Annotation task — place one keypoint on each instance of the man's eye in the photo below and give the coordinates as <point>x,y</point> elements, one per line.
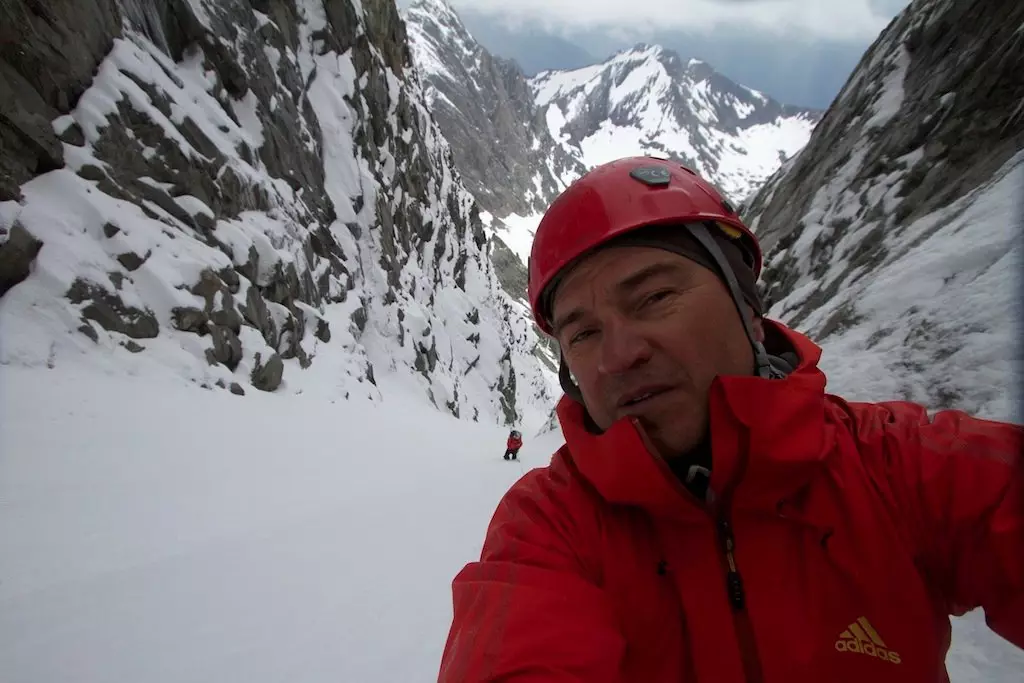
<point>655,297</point>
<point>580,336</point>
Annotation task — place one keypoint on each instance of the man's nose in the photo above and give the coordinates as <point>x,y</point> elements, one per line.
<point>623,347</point>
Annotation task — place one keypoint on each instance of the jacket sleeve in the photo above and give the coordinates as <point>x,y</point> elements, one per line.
<point>960,481</point>
<point>529,610</point>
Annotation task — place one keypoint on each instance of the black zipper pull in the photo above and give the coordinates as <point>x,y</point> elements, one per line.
<point>736,596</point>
<point>734,584</point>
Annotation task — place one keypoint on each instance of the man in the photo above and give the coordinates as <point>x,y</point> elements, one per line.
<point>513,444</point>
<point>714,515</point>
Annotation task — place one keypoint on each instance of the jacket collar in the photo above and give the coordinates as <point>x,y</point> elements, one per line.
<point>767,438</point>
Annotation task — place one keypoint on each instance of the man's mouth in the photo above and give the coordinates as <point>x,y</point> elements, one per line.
<point>641,396</point>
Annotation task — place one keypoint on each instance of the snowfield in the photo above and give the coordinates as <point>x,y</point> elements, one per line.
<point>153,531</point>
<point>156,532</point>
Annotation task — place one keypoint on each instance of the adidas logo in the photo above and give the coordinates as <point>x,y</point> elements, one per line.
<point>860,637</point>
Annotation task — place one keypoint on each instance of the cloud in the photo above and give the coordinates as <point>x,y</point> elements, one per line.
<point>834,20</point>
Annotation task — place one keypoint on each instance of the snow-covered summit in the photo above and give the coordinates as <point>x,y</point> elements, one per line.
<point>647,99</point>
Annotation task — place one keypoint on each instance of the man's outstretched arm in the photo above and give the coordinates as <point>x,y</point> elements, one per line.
<point>960,481</point>
<point>529,611</point>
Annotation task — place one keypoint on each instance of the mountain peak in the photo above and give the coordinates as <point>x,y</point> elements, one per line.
<point>644,47</point>
<point>436,12</point>
<point>647,99</point>
<point>431,5</point>
<point>645,51</point>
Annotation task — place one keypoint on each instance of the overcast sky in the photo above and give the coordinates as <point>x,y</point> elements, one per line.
<point>830,20</point>
<point>800,52</point>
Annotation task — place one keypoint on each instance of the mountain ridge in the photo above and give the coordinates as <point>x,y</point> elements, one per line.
<point>519,141</point>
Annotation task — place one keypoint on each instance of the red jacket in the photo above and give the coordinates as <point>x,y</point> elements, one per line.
<point>514,443</point>
<point>855,530</point>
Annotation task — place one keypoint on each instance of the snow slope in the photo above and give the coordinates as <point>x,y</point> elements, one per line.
<point>938,321</point>
<point>264,538</point>
<point>156,529</point>
<point>516,231</point>
<point>894,237</point>
<point>156,532</point>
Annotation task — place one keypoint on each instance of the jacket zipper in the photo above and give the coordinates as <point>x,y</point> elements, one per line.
<point>742,624</point>
<point>737,599</point>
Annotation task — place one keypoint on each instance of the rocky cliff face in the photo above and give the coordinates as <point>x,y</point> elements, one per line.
<point>485,107</point>
<point>234,189</point>
<point>48,52</point>
<point>894,235</point>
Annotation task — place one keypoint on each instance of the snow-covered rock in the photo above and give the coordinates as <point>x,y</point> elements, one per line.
<point>894,236</point>
<point>242,188</point>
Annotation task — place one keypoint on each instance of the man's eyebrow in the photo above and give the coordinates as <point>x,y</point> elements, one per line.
<point>569,318</point>
<point>630,283</point>
<point>646,273</point>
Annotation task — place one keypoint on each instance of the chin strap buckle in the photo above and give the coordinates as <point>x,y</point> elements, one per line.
<point>764,368</point>
<point>695,470</point>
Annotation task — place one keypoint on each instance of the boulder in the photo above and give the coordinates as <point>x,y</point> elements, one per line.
<point>267,377</point>
<point>16,256</point>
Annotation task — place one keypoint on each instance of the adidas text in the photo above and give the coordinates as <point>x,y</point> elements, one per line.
<point>862,638</point>
<point>868,649</point>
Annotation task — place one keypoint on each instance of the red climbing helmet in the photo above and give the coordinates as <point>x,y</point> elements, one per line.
<point>614,199</point>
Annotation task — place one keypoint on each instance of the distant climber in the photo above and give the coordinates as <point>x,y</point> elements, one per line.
<point>515,442</point>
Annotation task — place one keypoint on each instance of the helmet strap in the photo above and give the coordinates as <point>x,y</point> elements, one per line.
<point>573,391</point>
<point>565,379</point>
<point>762,365</point>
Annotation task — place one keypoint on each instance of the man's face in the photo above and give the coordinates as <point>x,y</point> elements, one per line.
<point>644,331</point>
